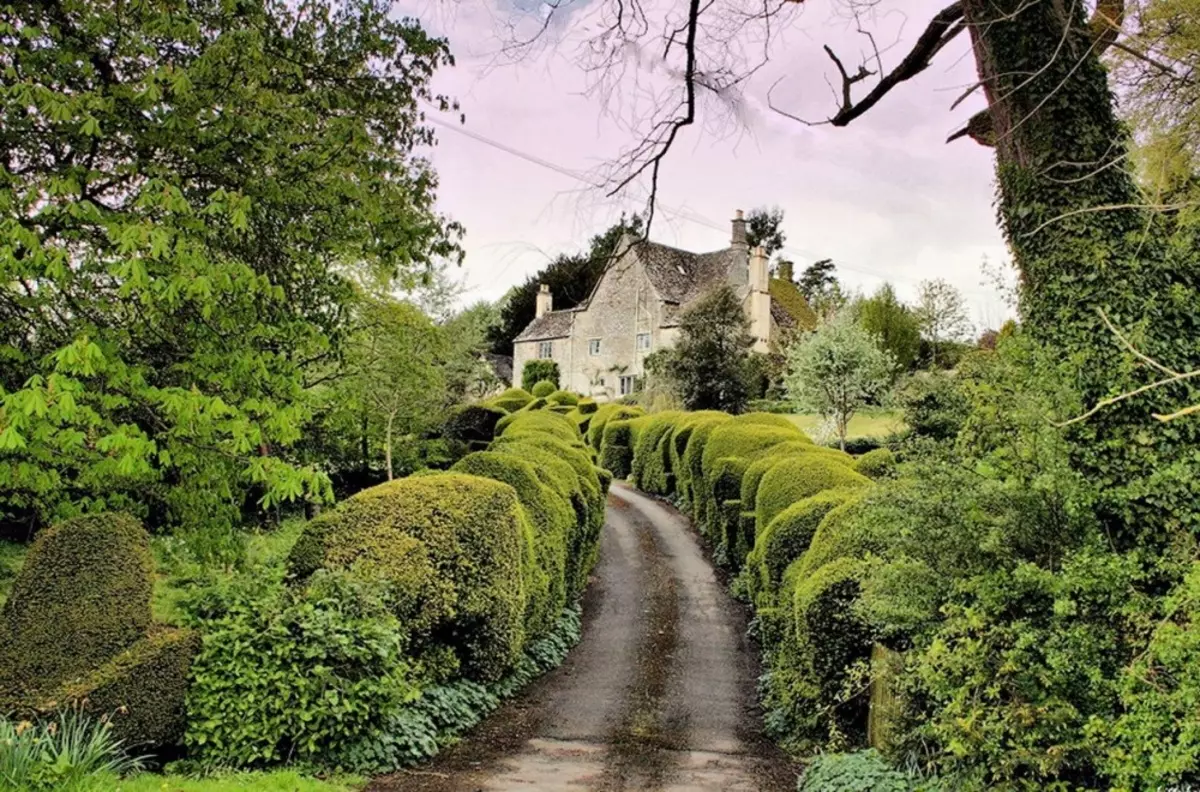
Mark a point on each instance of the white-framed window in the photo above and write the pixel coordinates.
(545, 349)
(593, 346)
(627, 384)
(643, 342)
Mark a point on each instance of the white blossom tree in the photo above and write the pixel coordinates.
(835, 369)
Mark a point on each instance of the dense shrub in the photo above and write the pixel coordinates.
(650, 457)
(587, 406)
(542, 389)
(455, 547)
(472, 423)
(759, 467)
(539, 421)
(564, 398)
(616, 447)
(796, 478)
(549, 510)
(876, 464)
(861, 771)
(933, 404)
(785, 539)
(82, 597)
(768, 419)
(293, 672)
(605, 413)
(687, 463)
(536, 371)
(512, 399)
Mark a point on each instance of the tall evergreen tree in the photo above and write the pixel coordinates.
(708, 365)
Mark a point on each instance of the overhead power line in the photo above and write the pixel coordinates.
(677, 212)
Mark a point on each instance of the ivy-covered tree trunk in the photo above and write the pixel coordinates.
(1083, 241)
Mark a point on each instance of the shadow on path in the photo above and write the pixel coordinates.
(658, 695)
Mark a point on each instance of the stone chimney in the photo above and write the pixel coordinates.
(545, 301)
(739, 231)
(758, 269)
(758, 301)
(738, 268)
(786, 271)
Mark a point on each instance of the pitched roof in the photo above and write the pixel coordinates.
(679, 276)
(787, 302)
(552, 324)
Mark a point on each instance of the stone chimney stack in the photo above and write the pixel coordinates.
(786, 271)
(759, 300)
(739, 231)
(545, 301)
(758, 269)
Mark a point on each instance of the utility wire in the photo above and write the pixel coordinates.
(682, 214)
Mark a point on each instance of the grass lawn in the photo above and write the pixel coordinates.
(12, 555)
(278, 781)
(868, 423)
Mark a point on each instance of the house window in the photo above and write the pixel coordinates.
(643, 342)
(626, 386)
(594, 346)
(545, 349)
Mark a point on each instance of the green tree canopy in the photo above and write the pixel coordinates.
(834, 370)
(708, 365)
(893, 324)
(764, 229)
(181, 188)
(571, 278)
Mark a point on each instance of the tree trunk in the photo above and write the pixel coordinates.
(387, 444)
(1082, 243)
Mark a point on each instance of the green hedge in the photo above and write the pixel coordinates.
(564, 398)
(141, 690)
(688, 468)
(759, 467)
(512, 399)
(458, 549)
(796, 478)
(612, 411)
(550, 423)
(785, 539)
(549, 510)
(542, 389)
(876, 464)
(650, 453)
(76, 632)
(82, 597)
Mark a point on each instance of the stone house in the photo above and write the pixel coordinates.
(601, 345)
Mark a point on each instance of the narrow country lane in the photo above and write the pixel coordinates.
(659, 694)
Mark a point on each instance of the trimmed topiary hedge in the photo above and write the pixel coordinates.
(83, 596)
(458, 549)
(876, 464)
(796, 478)
(76, 632)
(512, 399)
(563, 397)
(549, 510)
(785, 539)
(542, 389)
(604, 413)
(616, 447)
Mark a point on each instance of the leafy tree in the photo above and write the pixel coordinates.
(468, 374)
(763, 229)
(821, 288)
(182, 188)
(894, 325)
(836, 369)
(942, 314)
(708, 365)
(536, 371)
(395, 372)
(1161, 95)
(571, 279)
